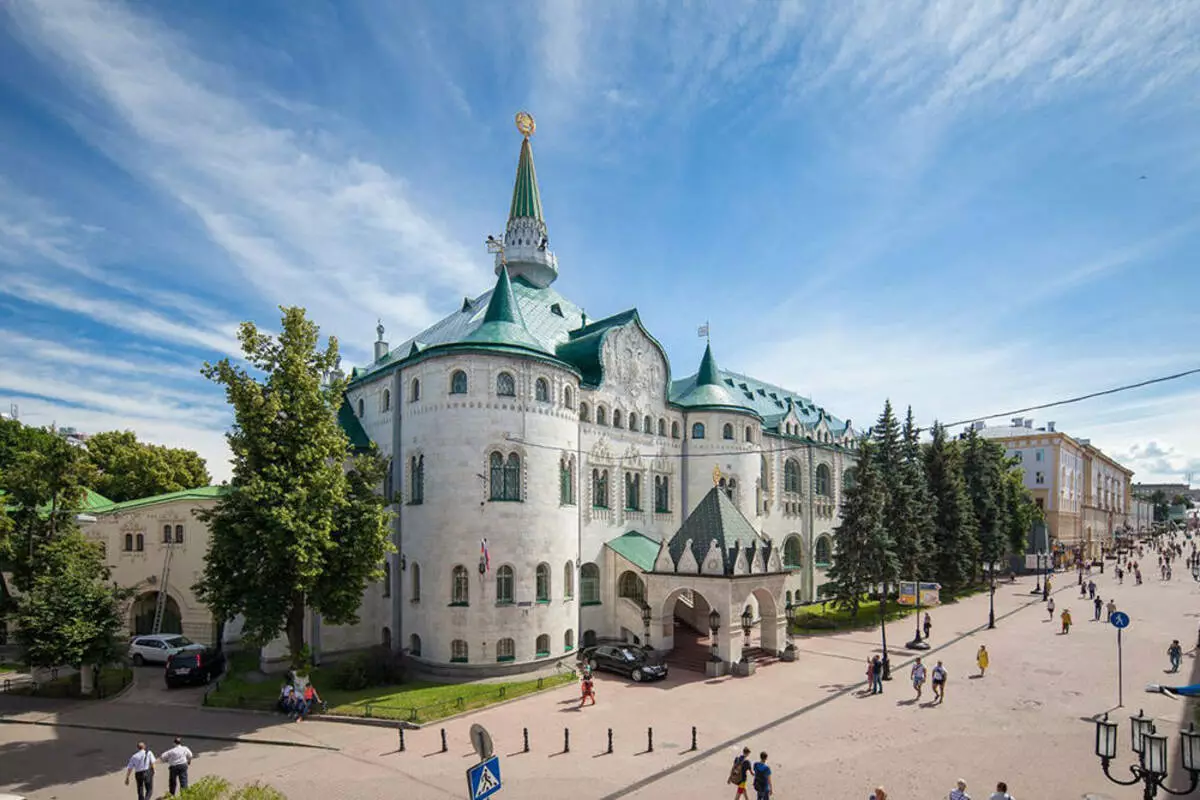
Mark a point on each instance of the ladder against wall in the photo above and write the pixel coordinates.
(160, 605)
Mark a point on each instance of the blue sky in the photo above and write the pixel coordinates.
(938, 202)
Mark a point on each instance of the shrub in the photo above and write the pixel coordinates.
(815, 622)
(211, 787)
(375, 667)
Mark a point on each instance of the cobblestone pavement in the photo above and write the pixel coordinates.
(1028, 722)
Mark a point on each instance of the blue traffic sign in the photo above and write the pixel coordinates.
(1119, 619)
(483, 779)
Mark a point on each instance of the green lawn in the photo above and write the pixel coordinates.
(415, 701)
(5, 667)
(813, 619)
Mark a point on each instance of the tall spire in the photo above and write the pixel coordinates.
(526, 248)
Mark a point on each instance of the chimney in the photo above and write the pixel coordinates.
(381, 347)
(980, 425)
(1050, 426)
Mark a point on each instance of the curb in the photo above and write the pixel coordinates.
(144, 732)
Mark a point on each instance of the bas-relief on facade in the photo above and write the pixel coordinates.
(565, 443)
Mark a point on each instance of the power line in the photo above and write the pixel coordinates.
(823, 445)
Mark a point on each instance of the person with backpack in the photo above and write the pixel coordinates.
(740, 772)
(763, 786)
(939, 682)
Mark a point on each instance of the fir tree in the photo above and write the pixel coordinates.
(983, 473)
(955, 542)
(859, 540)
(915, 529)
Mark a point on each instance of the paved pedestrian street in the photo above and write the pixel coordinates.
(1028, 722)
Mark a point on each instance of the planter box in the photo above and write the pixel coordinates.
(714, 669)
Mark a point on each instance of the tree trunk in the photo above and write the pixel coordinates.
(295, 631)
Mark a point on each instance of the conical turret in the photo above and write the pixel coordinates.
(502, 322)
(708, 375)
(526, 242)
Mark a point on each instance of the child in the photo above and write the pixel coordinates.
(981, 658)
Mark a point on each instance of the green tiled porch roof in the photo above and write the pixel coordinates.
(526, 200)
(715, 517)
(636, 548)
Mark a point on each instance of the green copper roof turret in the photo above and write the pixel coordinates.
(526, 201)
(708, 375)
(502, 323)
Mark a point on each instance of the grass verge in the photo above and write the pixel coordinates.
(110, 681)
(828, 618)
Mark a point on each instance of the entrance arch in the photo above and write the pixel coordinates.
(142, 615)
(772, 627)
(685, 634)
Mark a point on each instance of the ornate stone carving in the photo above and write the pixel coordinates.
(634, 363)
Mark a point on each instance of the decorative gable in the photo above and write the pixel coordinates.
(740, 565)
(663, 563)
(757, 562)
(634, 363)
(713, 562)
(687, 561)
(774, 562)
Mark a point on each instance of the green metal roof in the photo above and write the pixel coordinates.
(502, 323)
(94, 500)
(202, 493)
(636, 548)
(526, 200)
(769, 401)
(353, 427)
(705, 389)
(716, 518)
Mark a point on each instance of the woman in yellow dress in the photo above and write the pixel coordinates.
(981, 658)
(1066, 620)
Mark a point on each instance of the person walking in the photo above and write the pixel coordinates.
(763, 785)
(141, 767)
(981, 658)
(1050, 608)
(1091, 589)
(959, 792)
(587, 689)
(928, 624)
(876, 675)
(1112, 609)
(939, 682)
(1066, 620)
(1001, 792)
(1175, 653)
(918, 677)
(178, 758)
(878, 794)
(1098, 607)
(739, 774)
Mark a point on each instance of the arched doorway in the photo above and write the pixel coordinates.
(768, 631)
(142, 615)
(685, 629)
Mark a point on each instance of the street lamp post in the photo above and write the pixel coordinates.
(1151, 750)
(747, 621)
(992, 596)
(714, 625)
(1037, 568)
(646, 623)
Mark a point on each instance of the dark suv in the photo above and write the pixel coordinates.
(194, 666)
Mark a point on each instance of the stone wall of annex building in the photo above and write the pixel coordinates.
(451, 437)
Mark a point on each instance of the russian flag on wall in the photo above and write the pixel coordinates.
(484, 557)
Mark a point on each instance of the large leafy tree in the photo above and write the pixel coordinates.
(128, 469)
(302, 525)
(860, 541)
(956, 544)
(1162, 506)
(983, 471)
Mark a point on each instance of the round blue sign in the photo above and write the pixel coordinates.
(1119, 619)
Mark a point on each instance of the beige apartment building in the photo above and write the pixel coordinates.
(1083, 493)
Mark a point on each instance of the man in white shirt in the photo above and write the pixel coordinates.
(177, 758)
(1001, 792)
(918, 677)
(141, 766)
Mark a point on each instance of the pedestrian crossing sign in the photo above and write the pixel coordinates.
(483, 779)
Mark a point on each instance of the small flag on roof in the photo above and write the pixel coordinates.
(702, 331)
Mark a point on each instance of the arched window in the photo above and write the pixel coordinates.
(647, 425)
(458, 651)
(414, 645)
(589, 584)
(458, 382)
(414, 393)
(616, 417)
(633, 491)
(568, 580)
(416, 478)
(662, 494)
(141, 542)
(848, 479)
(589, 638)
(129, 542)
(633, 421)
(727, 431)
(601, 415)
(178, 534)
(386, 401)
(386, 638)
(674, 430)
(698, 430)
(460, 586)
(791, 475)
(822, 480)
(566, 481)
(506, 650)
(569, 640)
(600, 488)
(541, 390)
(166, 534)
(749, 434)
(505, 478)
(387, 579)
(662, 427)
(543, 646)
(584, 414)
(362, 408)
(504, 584)
(631, 586)
(415, 582)
(543, 583)
(505, 385)
(793, 551)
(568, 397)
(821, 553)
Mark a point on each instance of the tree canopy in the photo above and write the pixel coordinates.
(128, 469)
(860, 538)
(955, 533)
(302, 525)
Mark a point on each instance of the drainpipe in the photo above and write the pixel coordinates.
(397, 500)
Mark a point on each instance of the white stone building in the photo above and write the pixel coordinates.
(567, 445)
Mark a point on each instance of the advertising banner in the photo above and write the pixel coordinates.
(929, 593)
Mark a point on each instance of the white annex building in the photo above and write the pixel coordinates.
(616, 501)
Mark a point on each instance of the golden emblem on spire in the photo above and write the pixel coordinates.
(716, 475)
(525, 123)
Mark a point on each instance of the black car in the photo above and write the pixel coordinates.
(633, 662)
(191, 667)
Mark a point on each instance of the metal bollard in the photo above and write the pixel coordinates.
(401, 738)
(649, 740)
(693, 737)
(609, 751)
(525, 736)
(444, 748)
(566, 740)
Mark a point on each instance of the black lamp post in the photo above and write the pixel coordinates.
(1196, 570)
(791, 644)
(646, 623)
(992, 596)
(747, 621)
(714, 625)
(1151, 750)
(1037, 569)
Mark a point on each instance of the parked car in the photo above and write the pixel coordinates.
(631, 662)
(189, 667)
(157, 648)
